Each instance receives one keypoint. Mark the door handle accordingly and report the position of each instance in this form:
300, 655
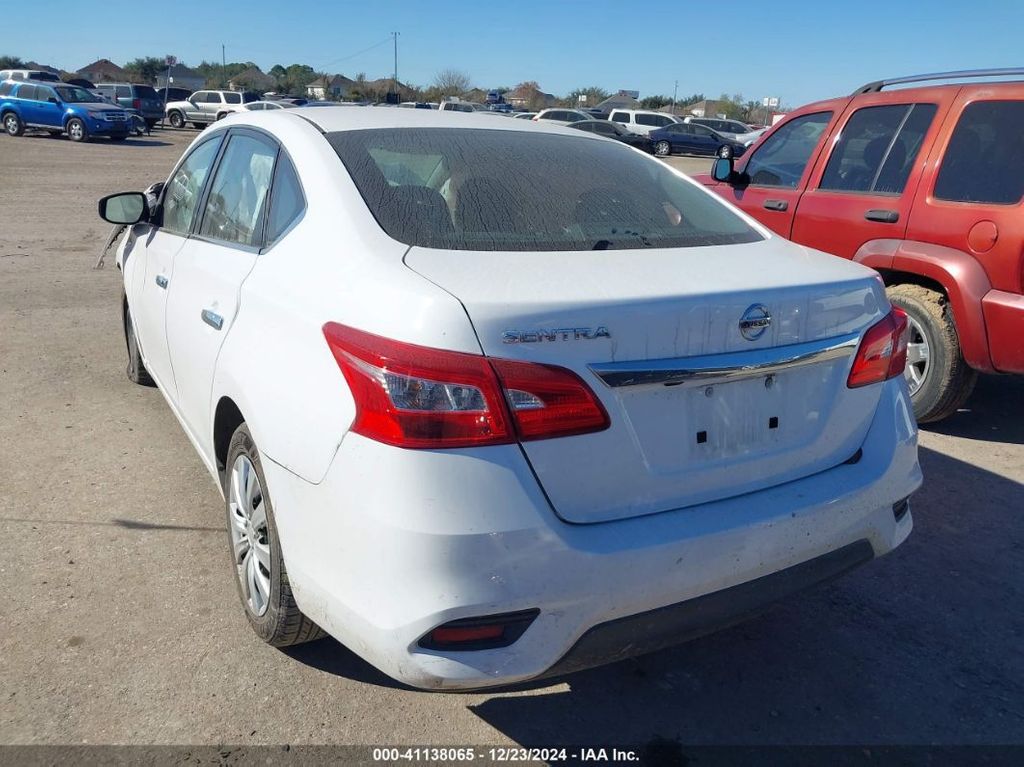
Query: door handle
161, 281
212, 319
883, 216
776, 205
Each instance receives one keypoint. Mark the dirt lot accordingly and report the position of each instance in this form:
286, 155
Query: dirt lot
121, 623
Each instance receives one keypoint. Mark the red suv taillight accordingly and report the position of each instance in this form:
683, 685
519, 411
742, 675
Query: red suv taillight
418, 397
882, 353
136, 103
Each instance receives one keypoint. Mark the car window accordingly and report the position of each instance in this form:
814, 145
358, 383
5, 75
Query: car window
286, 199
877, 148
43, 93
620, 117
249, 96
6, 88
181, 194
647, 120
255, 107
145, 92
123, 91
588, 127
575, 118
106, 90
233, 98
238, 194
27, 92
605, 129
496, 190
984, 161
782, 158
702, 130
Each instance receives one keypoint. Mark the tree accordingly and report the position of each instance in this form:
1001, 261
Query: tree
11, 62
452, 82
655, 102
277, 72
594, 94
325, 78
146, 68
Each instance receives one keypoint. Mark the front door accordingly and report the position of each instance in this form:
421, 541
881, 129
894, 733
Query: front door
49, 110
778, 171
159, 247
210, 270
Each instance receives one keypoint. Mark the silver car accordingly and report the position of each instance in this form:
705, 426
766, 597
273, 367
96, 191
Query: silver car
205, 107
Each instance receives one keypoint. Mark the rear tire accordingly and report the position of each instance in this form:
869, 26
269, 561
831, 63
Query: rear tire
662, 149
13, 126
255, 549
939, 378
136, 369
177, 120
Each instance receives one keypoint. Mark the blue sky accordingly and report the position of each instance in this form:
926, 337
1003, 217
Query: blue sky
799, 51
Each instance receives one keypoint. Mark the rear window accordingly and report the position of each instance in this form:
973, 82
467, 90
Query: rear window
620, 117
984, 161
233, 98
466, 189
145, 92
6, 88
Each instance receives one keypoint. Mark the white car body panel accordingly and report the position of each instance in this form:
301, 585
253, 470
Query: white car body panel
382, 543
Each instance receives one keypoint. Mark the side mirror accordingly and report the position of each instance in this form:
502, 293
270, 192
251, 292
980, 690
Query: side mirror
124, 208
723, 170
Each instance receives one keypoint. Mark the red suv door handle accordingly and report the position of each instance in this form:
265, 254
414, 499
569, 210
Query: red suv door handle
883, 216
776, 204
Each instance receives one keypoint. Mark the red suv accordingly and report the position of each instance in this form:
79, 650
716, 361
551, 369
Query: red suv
924, 184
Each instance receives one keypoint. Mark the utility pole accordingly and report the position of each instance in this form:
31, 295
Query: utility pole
675, 93
394, 36
223, 66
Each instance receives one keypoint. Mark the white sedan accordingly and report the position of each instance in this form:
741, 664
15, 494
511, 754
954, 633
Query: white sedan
490, 401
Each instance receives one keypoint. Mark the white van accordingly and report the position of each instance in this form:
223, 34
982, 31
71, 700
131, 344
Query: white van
641, 121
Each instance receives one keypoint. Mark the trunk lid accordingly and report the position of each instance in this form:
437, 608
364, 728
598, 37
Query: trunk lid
656, 334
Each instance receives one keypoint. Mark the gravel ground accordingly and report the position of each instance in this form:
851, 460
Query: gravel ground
121, 622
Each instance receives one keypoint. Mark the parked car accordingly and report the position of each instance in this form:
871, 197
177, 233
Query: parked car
173, 94
615, 131
205, 107
641, 121
59, 108
690, 138
416, 105
28, 74
524, 115
562, 116
925, 185
442, 401
142, 98
262, 106
461, 106
502, 108
729, 128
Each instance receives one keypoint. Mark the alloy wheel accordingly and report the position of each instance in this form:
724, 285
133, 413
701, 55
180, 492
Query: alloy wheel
75, 130
662, 149
11, 124
918, 357
250, 535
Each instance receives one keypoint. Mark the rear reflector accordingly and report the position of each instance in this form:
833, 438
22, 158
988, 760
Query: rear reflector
482, 633
418, 397
883, 351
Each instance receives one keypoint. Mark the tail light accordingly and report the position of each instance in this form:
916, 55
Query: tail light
882, 353
482, 633
136, 103
418, 397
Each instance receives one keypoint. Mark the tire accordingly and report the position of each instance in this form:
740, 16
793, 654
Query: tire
136, 370
272, 613
662, 149
76, 130
177, 120
939, 378
13, 126
221, 116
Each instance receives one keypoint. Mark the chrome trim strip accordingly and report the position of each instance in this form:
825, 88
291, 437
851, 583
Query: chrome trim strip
731, 366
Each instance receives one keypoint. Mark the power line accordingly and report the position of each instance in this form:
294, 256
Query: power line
357, 53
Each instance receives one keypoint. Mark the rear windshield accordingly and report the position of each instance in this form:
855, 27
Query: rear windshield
476, 189
145, 92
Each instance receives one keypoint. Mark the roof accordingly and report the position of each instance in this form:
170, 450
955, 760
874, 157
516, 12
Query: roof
180, 70
330, 119
619, 101
253, 76
106, 68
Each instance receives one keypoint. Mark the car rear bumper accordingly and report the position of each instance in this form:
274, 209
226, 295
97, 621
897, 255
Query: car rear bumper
1004, 322
393, 543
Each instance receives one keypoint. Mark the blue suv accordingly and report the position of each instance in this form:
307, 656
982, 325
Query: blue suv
60, 108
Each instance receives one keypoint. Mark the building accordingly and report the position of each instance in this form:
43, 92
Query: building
706, 108
104, 71
252, 79
528, 96
621, 100
334, 87
181, 77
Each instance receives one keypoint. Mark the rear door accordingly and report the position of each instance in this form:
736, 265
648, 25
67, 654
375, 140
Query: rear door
779, 170
29, 104
210, 269
864, 187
